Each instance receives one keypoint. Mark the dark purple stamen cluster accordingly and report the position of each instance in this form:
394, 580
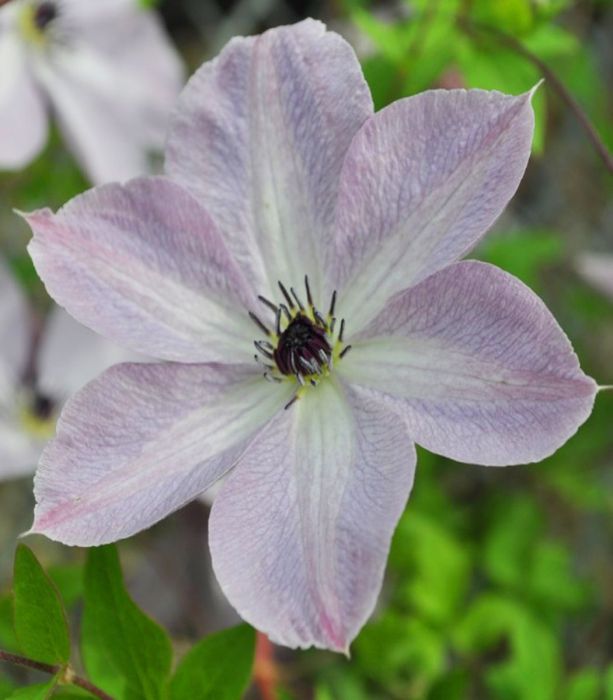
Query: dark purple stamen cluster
303, 338
44, 14
303, 347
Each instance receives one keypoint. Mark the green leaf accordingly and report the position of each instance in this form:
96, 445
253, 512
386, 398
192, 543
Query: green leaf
69, 581
341, 682
532, 668
8, 640
512, 16
400, 652
608, 682
219, 666
436, 578
6, 687
40, 619
391, 39
551, 579
71, 693
584, 685
524, 254
510, 536
125, 652
39, 691
551, 41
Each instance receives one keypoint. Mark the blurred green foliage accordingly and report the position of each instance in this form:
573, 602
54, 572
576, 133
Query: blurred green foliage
474, 43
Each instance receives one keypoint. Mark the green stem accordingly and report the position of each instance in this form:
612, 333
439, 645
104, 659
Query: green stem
67, 674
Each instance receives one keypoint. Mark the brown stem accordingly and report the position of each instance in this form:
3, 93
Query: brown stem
53, 670
265, 673
552, 79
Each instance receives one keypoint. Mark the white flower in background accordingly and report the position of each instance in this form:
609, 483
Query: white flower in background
34, 386
597, 269
105, 68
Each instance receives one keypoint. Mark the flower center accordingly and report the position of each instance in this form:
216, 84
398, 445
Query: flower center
35, 20
38, 416
44, 14
303, 345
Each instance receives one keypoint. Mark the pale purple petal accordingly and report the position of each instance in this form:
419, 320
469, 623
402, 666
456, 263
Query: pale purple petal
300, 530
597, 269
23, 118
424, 179
477, 366
144, 265
259, 135
15, 332
143, 440
70, 355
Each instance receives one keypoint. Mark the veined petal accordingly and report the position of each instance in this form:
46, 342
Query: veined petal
144, 265
70, 355
477, 366
259, 135
300, 530
15, 333
143, 440
423, 180
23, 117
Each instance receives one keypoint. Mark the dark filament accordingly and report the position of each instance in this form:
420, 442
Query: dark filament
44, 14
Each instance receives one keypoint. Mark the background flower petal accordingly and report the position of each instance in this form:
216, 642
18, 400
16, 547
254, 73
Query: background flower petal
15, 332
102, 127
424, 179
70, 355
23, 117
143, 440
259, 135
300, 530
138, 55
144, 265
597, 269
477, 365
19, 452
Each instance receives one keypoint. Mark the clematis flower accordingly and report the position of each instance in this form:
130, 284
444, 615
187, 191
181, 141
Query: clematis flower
108, 71
35, 382
297, 226
597, 269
